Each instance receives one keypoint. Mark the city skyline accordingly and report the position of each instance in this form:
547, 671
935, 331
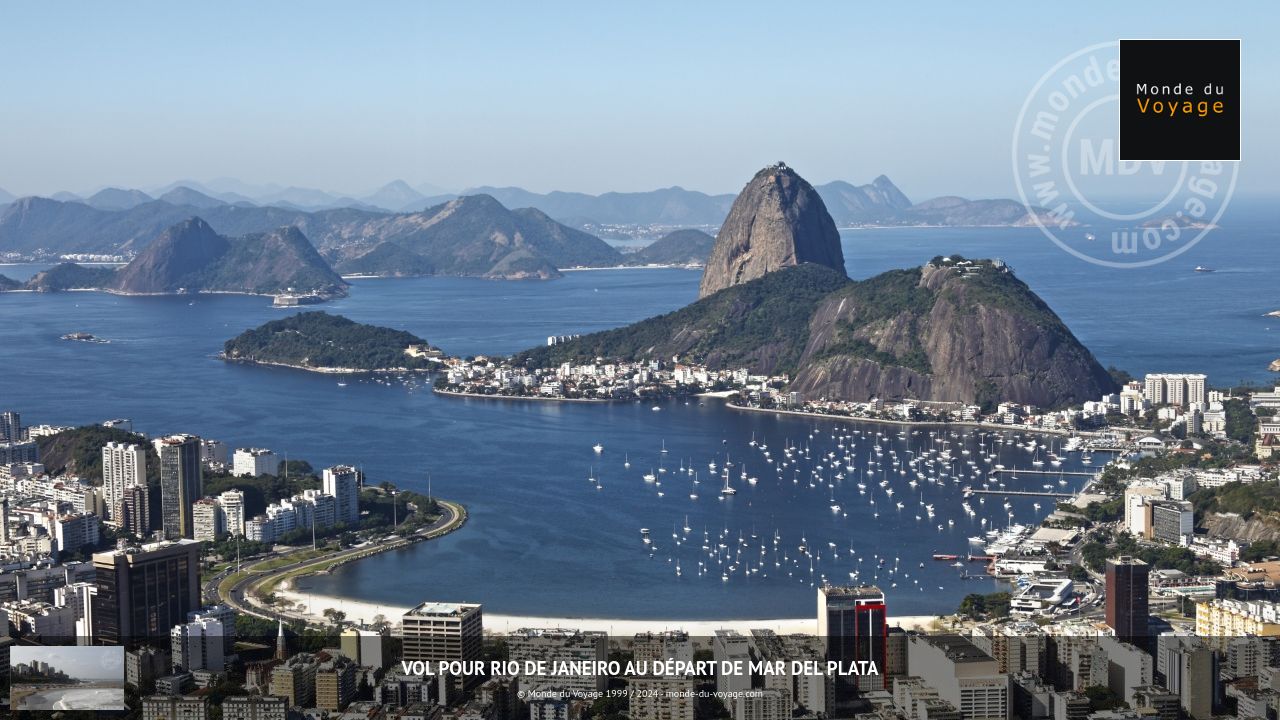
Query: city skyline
595, 100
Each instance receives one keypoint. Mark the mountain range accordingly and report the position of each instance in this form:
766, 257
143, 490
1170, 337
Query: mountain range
775, 298
877, 203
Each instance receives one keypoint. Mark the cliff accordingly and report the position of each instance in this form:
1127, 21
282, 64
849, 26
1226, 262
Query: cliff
777, 221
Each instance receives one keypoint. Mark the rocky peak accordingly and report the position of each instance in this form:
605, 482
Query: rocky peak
777, 221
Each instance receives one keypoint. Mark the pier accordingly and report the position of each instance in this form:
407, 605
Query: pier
1027, 493
1074, 473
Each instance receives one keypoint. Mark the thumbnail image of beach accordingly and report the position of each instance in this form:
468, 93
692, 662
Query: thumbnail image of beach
67, 678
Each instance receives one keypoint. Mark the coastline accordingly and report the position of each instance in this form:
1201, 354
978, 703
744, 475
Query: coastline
323, 370
539, 398
918, 423
363, 611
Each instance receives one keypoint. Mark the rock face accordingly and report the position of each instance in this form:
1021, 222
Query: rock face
959, 331
778, 220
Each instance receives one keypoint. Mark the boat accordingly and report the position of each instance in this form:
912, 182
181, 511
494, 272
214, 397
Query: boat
1202, 268
598, 448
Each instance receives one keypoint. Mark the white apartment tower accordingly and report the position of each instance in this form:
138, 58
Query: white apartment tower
340, 481
124, 465
231, 503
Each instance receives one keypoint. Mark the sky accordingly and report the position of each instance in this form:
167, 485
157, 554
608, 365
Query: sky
81, 662
588, 97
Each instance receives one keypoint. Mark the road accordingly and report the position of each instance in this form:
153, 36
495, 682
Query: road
236, 595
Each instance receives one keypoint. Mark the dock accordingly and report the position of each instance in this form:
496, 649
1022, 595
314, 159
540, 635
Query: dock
1026, 493
1073, 473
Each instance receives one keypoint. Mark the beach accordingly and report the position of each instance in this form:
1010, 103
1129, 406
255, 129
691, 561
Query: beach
313, 606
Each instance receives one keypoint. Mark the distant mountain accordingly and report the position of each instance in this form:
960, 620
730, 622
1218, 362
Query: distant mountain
190, 256
882, 203
64, 196
778, 220
474, 235
681, 247
396, 196
185, 196
7, 283
300, 198
117, 199
668, 206
387, 259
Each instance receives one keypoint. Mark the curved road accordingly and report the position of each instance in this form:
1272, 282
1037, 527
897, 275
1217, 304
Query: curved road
236, 594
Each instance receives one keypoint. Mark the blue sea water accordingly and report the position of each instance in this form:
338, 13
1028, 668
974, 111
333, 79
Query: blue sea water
542, 540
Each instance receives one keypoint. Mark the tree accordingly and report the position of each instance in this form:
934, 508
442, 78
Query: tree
335, 616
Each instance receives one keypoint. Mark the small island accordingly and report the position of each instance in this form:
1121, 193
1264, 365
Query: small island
85, 337
319, 342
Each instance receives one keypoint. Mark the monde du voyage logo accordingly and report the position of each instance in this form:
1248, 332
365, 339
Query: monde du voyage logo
1124, 152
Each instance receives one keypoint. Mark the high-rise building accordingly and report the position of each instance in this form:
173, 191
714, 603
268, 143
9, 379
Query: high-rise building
144, 591
341, 481
11, 426
124, 465
181, 483
206, 520
1173, 521
853, 622
135, 510
199, 645
232, 504
435, 631
730, 647
1127, 611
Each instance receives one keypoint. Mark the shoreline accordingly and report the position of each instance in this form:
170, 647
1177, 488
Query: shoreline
364, 611
323, 370
921, 423
538, 398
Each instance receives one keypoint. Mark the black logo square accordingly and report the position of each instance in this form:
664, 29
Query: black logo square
1179, 99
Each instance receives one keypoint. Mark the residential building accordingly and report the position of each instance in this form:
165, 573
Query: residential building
367, 647
169, 707
561, 645
295, 680
206, 520
963, 675
124, 465
661, 698
231, 502
335, 683
342, 482
255, 707
199, 645
252, 462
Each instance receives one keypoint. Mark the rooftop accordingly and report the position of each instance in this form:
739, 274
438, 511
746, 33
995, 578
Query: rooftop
443, 609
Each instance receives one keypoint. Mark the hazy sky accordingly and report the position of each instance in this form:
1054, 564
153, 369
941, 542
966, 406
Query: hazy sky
85, 663
571, 96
